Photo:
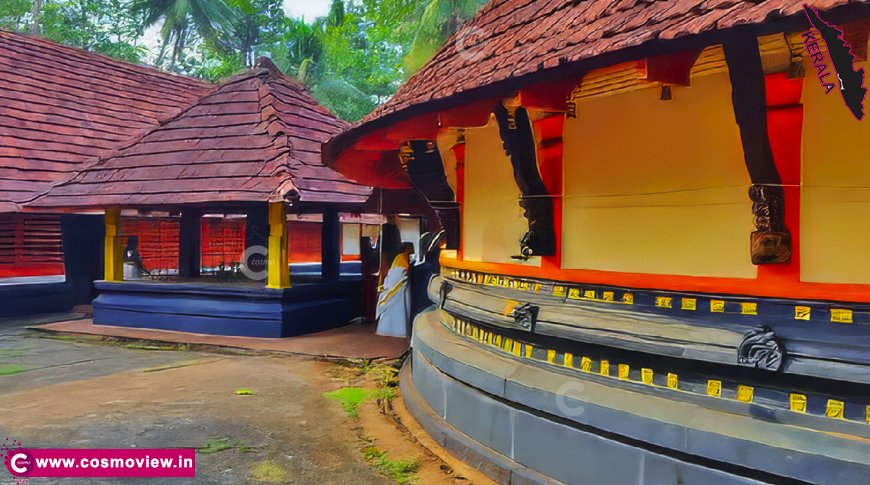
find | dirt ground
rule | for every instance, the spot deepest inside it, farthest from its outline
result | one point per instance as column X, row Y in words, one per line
column 72, row 394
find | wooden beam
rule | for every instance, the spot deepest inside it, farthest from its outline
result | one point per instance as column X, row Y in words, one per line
column 770, row 242
column 113, row 264
column 279, row 261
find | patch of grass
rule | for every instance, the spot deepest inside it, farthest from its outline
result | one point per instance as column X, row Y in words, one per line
column 217, row 444
column 10, row 369
column 385, row 375
column 400, row 471
column 269, row 471
column 350, row 398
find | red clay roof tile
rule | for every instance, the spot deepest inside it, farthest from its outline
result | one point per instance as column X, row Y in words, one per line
column 525, row 37
column 62, row 107
column 255, row 137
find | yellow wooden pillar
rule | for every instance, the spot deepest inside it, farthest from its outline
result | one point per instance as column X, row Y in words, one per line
column 279, row 261
column 114, row 257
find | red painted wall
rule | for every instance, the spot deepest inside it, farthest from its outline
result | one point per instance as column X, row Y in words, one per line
column 222, row 240
column 30, row 245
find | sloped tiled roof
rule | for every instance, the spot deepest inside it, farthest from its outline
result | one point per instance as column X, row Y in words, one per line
column 256, row 137
column 61, row 107
column 509, row 40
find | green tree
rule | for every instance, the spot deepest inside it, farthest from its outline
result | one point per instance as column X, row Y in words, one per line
column 440, row 20
column 13, row 13
column 183, row 21
column 104, row 26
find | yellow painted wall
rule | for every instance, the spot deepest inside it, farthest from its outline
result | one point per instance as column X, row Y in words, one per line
column 835, row 209
column 493, row 221
column 657, row 186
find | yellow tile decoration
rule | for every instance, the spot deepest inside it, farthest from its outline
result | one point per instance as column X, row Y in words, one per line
column 623, row 372
column 529, row 350
column 745, row 393
column 508, row 344
column 797, row 403
column 605, row 368
column 489, row 338
column 646, row 375
column 551, row 356
column 802, row 312
column 717, row 306
column 664, row 302
column 569, row 360
column 714, row 388
column 841, row 316
column 835, row 409
column 673, row 381
column 689, row 304
column 749, row 308
column 589, row 294
column 537, row 288
column 497, row 341
column 868, row 414
column 628, row 298
column 586, row 364
column 573, row 293
column 559, row 291
column 490, row 280
column 518, row 348
column 607, row 296
column 503, row 282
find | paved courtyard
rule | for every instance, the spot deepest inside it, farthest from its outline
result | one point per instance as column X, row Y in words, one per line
column 64, row 393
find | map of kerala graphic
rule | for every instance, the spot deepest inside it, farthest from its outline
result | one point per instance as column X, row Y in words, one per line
column 851, row 81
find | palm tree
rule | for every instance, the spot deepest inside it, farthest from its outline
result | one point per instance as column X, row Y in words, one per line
column 182, row 19
column 440, row 20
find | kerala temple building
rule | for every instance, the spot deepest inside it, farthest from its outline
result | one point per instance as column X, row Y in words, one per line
column 654, row 268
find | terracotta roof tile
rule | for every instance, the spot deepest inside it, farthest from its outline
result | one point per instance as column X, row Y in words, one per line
column 63, row 107
column 255, row 137
column 523, row 37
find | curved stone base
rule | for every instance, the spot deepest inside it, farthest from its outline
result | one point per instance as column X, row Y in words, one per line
column 514, row 419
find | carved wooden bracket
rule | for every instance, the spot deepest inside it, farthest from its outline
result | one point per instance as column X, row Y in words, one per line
column 770, row 242
column 518, row 141
column 422, row 160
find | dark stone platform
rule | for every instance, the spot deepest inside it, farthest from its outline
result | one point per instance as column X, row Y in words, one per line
column 229, row 309
column 35, row 295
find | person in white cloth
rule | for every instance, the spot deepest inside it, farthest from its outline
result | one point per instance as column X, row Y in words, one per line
column 394, row 300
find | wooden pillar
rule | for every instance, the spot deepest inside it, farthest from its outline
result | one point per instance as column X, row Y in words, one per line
column 82, row 237
column 330, row 255
column 257, row 236
column 279, row 260
column 189, row 250
column 113, row 265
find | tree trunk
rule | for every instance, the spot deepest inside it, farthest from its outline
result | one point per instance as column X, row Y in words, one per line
column 35, row 16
